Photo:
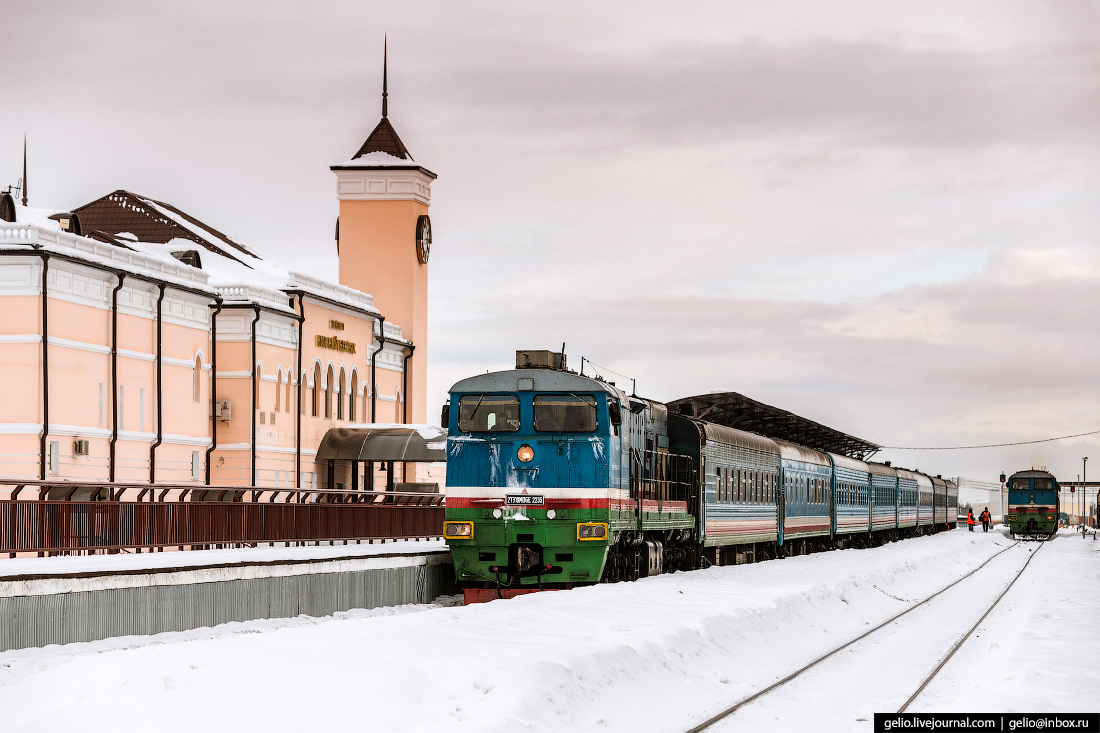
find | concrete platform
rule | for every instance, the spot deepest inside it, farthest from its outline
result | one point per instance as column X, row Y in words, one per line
column 58, row 600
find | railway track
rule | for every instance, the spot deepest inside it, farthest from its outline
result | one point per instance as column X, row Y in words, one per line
column 705, row 725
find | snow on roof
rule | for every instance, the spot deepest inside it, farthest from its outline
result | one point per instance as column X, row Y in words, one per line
column 259, row 280
column 33, row 237
column 378, row 159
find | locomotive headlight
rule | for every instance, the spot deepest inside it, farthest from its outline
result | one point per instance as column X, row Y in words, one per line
column 525, row 453
column 592, row 531
column 458, row 530
column 498, row 513
column 550, row 514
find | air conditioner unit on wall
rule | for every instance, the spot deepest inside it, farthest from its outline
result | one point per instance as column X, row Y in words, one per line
column 222, row 410
column 80, row 448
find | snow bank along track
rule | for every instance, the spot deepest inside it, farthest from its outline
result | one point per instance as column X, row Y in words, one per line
column 797, row 673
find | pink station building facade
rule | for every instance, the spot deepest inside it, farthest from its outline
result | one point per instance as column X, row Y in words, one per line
column 114, row 314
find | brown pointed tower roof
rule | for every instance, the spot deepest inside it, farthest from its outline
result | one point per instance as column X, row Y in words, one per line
column 384, row 139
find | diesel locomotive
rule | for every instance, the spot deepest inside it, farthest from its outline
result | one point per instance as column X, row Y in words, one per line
column 555, row 479
column 1033, row 505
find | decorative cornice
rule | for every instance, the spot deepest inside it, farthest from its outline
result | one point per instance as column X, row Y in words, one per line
column 388, row 183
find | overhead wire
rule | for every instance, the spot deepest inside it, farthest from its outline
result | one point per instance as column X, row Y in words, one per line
column 991, row 445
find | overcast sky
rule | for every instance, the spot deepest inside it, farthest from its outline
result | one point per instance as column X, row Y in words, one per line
column 882, row 216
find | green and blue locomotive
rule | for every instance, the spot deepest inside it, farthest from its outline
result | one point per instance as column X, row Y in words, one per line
column 1033, row 505
column 556, row 479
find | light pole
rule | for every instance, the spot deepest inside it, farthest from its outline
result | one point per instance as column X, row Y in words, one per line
column 1084, row 482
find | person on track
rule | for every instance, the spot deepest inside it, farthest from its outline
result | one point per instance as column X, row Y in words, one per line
column 970, row 519
column 985, row 519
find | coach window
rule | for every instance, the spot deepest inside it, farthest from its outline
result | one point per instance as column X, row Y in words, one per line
column 568, row 413
column 481, row 413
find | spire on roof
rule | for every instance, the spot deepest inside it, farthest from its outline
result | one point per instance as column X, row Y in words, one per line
column 384, row 139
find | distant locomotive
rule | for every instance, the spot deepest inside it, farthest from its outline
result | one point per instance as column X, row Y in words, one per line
column 1033, row 505
column 556, row 479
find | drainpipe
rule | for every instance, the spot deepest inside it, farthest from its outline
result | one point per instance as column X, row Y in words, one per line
column 160, row 399
column 114, row 373
column 298, row 430
column 405, row 405
column 213, row 384
column 405, row 384
column 45, row 367
column 255, row 321
column 373, row 359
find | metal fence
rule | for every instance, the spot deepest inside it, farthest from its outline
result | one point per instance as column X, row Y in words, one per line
column 104, row 521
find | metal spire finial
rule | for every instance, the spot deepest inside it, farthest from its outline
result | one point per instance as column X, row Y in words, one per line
column 24, row 170
column 385, row 93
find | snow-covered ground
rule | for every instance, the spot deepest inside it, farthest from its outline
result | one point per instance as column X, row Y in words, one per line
column 657, row 655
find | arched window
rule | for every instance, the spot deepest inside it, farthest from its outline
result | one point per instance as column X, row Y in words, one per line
column 289, row 400
column 303, row 381
column 353, row 396
column 256, row 382
column 197, row 393
column 316, row 389
column 339, row 394
column 329, row 384
column 278, row 384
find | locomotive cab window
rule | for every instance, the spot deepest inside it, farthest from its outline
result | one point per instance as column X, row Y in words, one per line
column 565, row 414
column 488, row 414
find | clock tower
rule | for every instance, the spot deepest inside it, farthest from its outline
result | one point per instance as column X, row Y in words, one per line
column 383, row 237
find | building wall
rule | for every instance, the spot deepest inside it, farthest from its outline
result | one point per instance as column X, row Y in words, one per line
column 80, row 377
column 378, row 256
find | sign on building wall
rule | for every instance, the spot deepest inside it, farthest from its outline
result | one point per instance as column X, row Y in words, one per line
column 331, row 342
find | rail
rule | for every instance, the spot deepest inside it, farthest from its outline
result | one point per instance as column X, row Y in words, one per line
column 77, row 517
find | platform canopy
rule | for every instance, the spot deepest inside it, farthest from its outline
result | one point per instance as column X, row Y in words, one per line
column 738, row 411
column 384, row 442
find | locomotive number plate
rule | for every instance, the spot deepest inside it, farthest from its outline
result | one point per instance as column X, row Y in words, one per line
column 524, row 500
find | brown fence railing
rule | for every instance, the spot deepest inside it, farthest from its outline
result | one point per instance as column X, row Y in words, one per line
column 42, row 525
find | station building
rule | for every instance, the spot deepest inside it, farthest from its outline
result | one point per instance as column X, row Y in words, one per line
column 138, row 344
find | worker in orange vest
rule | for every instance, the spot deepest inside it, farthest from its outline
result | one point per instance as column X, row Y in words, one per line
column 970, row 519
column 985, row 517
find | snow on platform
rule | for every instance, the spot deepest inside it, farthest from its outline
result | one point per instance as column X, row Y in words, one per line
column 657, row 655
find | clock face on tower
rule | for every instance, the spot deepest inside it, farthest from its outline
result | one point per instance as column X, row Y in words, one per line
column 423, row 238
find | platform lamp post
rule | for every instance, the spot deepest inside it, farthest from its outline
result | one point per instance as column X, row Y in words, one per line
column 1084, row 482
column 1004, row 503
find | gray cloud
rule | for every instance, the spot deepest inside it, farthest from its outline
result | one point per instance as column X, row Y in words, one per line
column 883, row 219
